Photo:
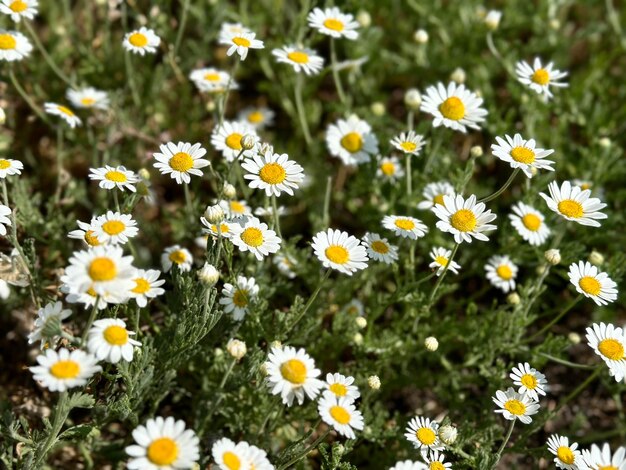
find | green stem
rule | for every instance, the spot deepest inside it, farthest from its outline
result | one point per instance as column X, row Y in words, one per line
column 409, row 183
column 116, row 200
column 27, row 98
column 47, row 56
column 566, row 363
column 577, row 390
column 60, row 415
column 226, row 94
column 276, row 216
column 188, row 202
column 57, row 194
column 504, row 443
column 92, row 317
column 310, row 301
column 409, row 120
column 130, row 73
column 305, row 452
column 220, row 397
column 336, row 77
column 300, row 107
column 503, row 188
column 445, row 270
column 181, row 28
column 557, row 318
column 327, row 196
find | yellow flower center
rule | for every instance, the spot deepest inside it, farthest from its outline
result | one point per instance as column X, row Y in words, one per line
column 7, row 42
column 590, row 285
column 240, row 298
column 612, row 349
column 113, row 227
column 571, row 208
column 163, row 451
column 65, row 369
column 565, row 455
column 252, row 236
column 352, row 142
column 436, row 465
column 463, row 220
column 452, row 108
column 141, row 286
column 102, row 269
column 379, row 247
column 92, row 292
column 181, row 161
column 426, row 436
column 334, row 24
column 87, row 101
column 115, row 176
column 523, row 155
column 337, row 254
column 234, row 141
column 138, row 40
column 388, row 168
column 239, row 41
column 237, row 207
column 18, row 6
column 66, row 111
column 256, row 117
column 441, row 260
column 531, row 222
column 91, row 239
column 405, row 224
column 585, row 186
column 515, row 407
column 541, row 77
column 178, row 257
column 607, row 467
column 504, row 271
column 408, row 146
column 340, row 414
column 338, row 389
column 529, row 381
column 298, row 57
column 223, row 228
column 438, row 199
column 231, row 461
column 294, row 371
column 273, row 173
column 212, row 77
column 116, row 335
column 4, row 164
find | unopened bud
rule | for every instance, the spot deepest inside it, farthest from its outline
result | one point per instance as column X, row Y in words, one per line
column 553, row 256
column 533, row 171
column 229, row 191
column 214, row 214
column 144, row 174
column 276, row 344
column 596, row 258
column 358, row 338
column 236, row 348
column 605, row 142
column 420, row 36
column 361, row 322
column 573, row 338
column 208, row 275
column 378, row 109
column 458, row 75
column 364, row 18
column 513, row 298
column 412, row 99
column 555, row 24
column 373, row 382
column 540, row 269
column 431, row 343
column 492, row 20
column 210, row 106
column 448, row 434
column 248, row 141
column 476, row 151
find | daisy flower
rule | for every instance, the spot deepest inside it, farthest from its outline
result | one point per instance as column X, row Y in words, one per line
column 114, row 228
column 62, row 370
column 254, row 236
column 227, row 139
column 292, row 374
column 147, row 286
column 212, row 80
column 301, row 59
column 529, row 380
column 380, row 249
column 273, row 173
column 436, row 461
column 103, row 269
column 114, row 177
column 176, row 255
column 454, row 107
column 141, row 41
column 240, row 42
column 285, row 264
column 225, row 228
column 269, row 211
column 601, row 459
column 441, row 258
column 582, row 184
column 340, row 251
column 229, row 456
column 64, row 113
column 235, row 209
column 88, row 97
column 180, row 160
column 514, row 405
column 521, row 153
column 9, row 167
column 351, row 140
column 464, row 218
column 609, row 342
column 257, row 458
column 14, row 46
column 86, row 233
column 332, row 22
column 163, row 444
column 409, row 465
column 237, row 298
column 501, row 272
column 389, row 169
column 258, row 117
column 4, row 220
column 48, row 323
column 110, row 341
column 89, row 298
column 566, row 455
column 572, row 203
column 18, row 9
column 355, row 308
column 434, row 193
column 227, row 28
column 592, row 283
column 424, row 434
column 405, row 226
column 539, row 78
column 340, row 386
column 529, row 223
column 409, row 143
column 341, row 414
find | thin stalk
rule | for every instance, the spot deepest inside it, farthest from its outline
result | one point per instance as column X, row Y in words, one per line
column 569, row 306
column 443, row 274
column 130, row 73
column 181, row 28
column 305, row 452
column 409, row 120
column 92, row 317
column 300, row 107
column 188, row 202
column 47, row 56
column 504, row 443
column 227, row 93
column 496, row 53
column 220, row 397
column 27, row 98
column 276, row 216
column 310, row 301
column 578, row 389
column 336, row 77
column 503, row 188
column 327, row 195
column 60, row 415
column 409, row 182
column 116, row 200
column 57, row 194
column 566, row 363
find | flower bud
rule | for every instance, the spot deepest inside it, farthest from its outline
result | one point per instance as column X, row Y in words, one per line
column 208, row 275
column 412, row 99
column 361, row 322
column 373, row 382
column 236, row 348
column 358, row 338
column 513, row 298
column 420, row 36
column 492, row 20
column 555, row 24
column 210, row 106
column 448, row 434
column 476, row 151
column 533, row 171
column 378, row 109
column 3, row 117
column 605, row 142
column 540, row 269
column 553, row 256
column 573, row 338
column 364, row 18
column 248, row 141
column 214, row 214
column 144, row 174
column 431, row 343
column 229, row 191
column 276, row 344
column 596, row 258
column 458, row 75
